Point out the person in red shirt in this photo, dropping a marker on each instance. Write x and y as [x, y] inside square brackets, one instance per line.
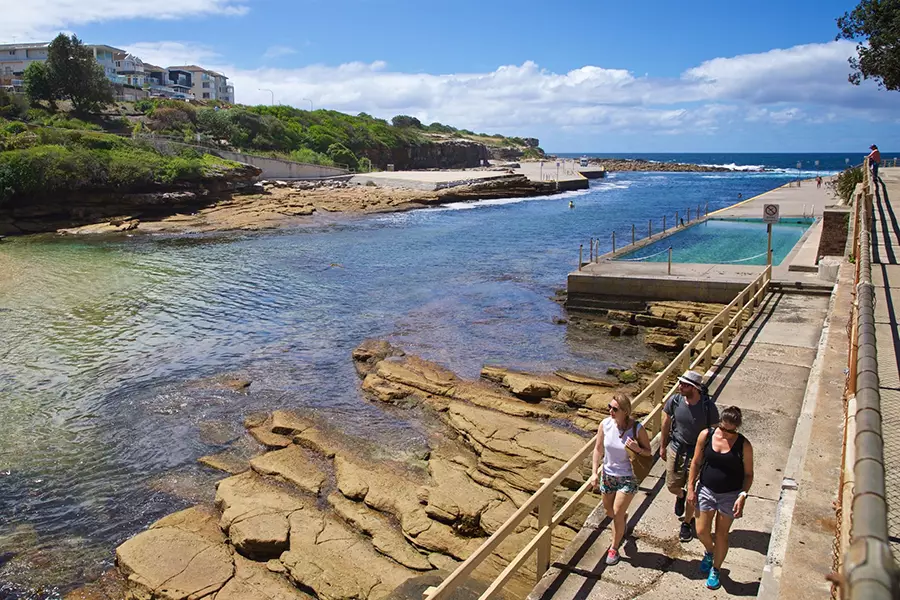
[874, 160]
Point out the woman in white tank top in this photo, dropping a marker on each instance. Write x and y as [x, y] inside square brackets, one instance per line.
[617, 485]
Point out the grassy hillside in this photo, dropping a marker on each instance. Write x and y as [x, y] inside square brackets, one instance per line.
[44, 154]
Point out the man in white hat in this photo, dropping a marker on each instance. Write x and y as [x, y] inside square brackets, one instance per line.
[685, 415]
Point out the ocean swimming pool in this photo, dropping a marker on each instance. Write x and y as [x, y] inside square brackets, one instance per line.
[724, 241]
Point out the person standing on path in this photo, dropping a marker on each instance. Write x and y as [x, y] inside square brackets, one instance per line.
[685, 416]
[617, 484]
[723, 462]
[874, 160]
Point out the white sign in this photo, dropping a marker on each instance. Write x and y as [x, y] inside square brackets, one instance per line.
[770, 213]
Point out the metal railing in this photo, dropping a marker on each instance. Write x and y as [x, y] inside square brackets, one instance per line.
[868, 569]
[721, 329]
[701, 212]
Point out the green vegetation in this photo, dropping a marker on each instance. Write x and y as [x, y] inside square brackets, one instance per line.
[875, 26]
[846, 182]
[70, 73]
[40, 161]
[320, 137]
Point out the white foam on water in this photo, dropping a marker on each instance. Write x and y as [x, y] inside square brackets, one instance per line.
[502, 201]
[736, 167]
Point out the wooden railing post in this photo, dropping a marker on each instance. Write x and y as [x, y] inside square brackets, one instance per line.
[707, 363]
[545, 514]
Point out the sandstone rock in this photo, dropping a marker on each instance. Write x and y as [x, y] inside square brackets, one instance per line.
[255, 513]
[255, 419]
[651, 321]
[585, 379]
[225, 461]
[513, 449]
[253, 581]
[291, 464]
[620, 315]
[492, 373]
[289, 423]
[525, 386]
[171, 562]
[370, 352]
[200, 519]
[110, 586]
[263, 434]
[385, 538]
[666, 343]
[337, 563]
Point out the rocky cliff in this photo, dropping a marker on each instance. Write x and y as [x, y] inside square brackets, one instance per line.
[449, 154]
[24, 215]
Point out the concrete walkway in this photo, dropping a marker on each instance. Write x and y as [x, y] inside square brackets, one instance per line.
[766, 375]
[886, 277]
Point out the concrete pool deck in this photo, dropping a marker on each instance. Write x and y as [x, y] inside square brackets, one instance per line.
[606, 282]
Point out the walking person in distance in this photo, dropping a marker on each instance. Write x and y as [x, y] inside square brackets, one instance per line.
[685, 415]
[723, 463]
[617, 434]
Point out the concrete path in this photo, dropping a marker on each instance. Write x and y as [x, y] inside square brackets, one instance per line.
[766, 375]
[886, 277]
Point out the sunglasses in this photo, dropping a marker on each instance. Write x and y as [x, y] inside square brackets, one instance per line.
[613, 408]
[726, 430]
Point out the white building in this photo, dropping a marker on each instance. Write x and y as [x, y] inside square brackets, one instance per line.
[208, 85]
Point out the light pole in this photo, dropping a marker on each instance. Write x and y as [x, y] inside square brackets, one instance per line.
[271, 92]
[799, 166]
[310, 103]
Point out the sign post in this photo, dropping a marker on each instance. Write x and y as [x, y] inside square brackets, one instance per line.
[770, 216]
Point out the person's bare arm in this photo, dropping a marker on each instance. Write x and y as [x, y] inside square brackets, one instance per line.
[597, 457]
[748, 480]
[696, 463]
[665, 434]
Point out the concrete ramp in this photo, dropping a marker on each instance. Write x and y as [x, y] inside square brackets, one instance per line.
[765, 374]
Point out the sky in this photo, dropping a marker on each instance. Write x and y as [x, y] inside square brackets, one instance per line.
[582, 76]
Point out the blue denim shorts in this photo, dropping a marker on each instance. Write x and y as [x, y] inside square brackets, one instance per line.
[611, 484]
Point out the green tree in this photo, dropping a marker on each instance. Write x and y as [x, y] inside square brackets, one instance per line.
[875, 26]
[406, 121]
[38, 86]
[70, 73]
[341, 154]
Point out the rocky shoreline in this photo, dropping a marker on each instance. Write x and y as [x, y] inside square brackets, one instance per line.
[303, 505]
[251, 206]
[636, 164]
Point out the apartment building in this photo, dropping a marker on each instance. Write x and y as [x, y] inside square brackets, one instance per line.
[209, 85]
[15, 58]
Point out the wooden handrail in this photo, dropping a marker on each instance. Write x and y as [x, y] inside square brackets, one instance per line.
[542, 500]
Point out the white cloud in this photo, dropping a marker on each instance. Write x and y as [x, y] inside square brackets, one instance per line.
[799, 84]
[278, 51]
[40, 20]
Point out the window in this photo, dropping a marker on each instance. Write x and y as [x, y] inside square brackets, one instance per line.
[206, 85]
[206, 94]
[12, 52]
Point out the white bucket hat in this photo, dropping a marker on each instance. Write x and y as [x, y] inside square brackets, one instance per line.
[692, 378]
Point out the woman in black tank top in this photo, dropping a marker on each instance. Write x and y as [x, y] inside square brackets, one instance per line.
[721, 475]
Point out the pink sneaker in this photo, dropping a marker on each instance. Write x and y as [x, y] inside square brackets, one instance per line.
[612, 556]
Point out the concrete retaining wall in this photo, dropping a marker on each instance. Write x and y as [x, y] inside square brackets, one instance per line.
[275, 168]
[584, 289]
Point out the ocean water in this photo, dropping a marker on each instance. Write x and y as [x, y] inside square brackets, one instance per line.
[829, 163]
[103, 342]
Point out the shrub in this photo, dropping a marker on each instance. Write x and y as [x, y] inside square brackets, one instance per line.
[365, 165]
[846, 182]
[144, 106]
[12, 106]
[341, 154]
[305, 155]
[406, 121]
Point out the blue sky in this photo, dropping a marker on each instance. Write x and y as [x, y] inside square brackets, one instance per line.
[652, 76]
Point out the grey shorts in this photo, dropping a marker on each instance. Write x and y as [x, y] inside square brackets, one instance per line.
[708, 501]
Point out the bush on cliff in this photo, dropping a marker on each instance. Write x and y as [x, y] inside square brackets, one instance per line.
[61, 162]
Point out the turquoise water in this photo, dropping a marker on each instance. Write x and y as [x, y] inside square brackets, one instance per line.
[724, 241]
